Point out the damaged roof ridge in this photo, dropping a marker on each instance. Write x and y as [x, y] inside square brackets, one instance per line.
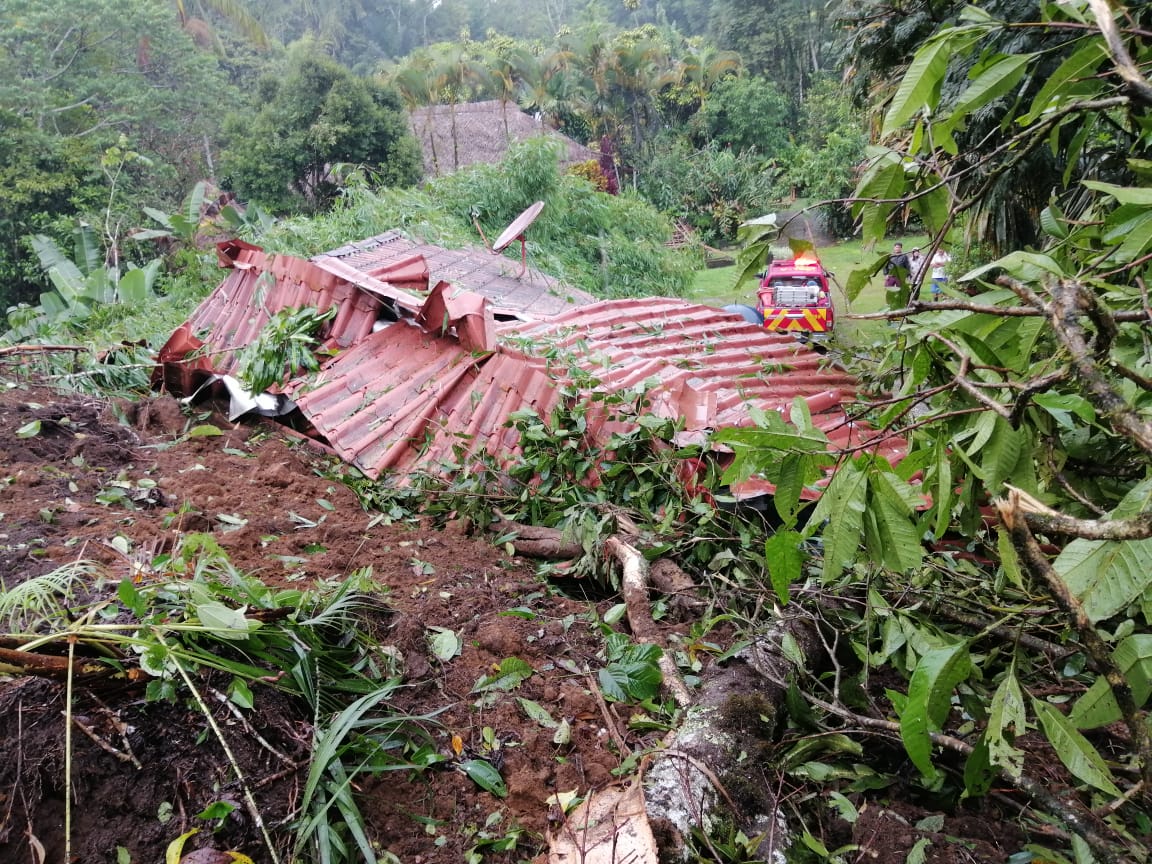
[371, 284]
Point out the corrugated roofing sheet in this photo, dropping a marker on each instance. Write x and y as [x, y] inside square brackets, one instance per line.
[533, 296]
[258, 286]
[408, 400]
[426, 393]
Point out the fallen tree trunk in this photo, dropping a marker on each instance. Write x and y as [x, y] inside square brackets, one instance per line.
[713, 767]
[709, 772]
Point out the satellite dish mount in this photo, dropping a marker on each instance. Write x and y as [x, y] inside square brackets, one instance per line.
[515, 231]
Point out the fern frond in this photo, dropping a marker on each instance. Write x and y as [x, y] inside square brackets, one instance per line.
[43, 598]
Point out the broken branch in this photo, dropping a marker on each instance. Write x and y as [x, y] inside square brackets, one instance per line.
[634, 586]
[1011, 512]
[39, 349]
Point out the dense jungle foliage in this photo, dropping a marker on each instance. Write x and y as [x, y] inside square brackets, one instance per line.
[997, 578]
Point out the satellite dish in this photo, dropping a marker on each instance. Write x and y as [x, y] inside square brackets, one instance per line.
[515, 231]
[518, 227]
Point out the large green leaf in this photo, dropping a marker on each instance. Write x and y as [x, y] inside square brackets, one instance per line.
[1097, 707]
[1006, 717]
[991, 79]
[89, 257]
[920, 86]
[1000, 454]
[194, 205]
[929, 700]
[842, 507]
[934, 206]
[1054, 222]
[68, 279]
[1106, 575]
[1123, 194]
[883, 184]
[887, 484]
[861, 278]
[1081, 66]
[133, 287]
[793, 475]
[483, 774]
[1025, 266]
[942, 491]
[784, 559]
[1074, 750]
[897, 539]
[1137, 240]
[161, 217]
[765, 439]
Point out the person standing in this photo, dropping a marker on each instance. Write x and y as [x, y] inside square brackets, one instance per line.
[940, 261]
[916, 263]
[897, 266]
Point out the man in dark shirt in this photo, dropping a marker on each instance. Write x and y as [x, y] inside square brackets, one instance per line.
[897, 268]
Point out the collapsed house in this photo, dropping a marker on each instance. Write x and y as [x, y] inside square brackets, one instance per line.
[422, 379]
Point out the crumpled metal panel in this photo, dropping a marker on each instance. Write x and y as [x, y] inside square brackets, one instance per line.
[258, 286]
[427, 393]
[407, 400]
[705, 365]
[533, 296]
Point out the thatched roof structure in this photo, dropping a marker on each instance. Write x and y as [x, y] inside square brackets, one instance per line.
[453, 136]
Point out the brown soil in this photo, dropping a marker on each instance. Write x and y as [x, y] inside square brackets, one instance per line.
[269, 501]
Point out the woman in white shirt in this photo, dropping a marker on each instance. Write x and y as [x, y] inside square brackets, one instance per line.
[940, 261]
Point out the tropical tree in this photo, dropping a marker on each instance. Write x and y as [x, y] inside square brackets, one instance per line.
[67, 93]
[749, 113]
[788, 41]
[694, 73]
[193, 17]
[1005, 205]
[314, 116]
[1023, 398]
[459, 76]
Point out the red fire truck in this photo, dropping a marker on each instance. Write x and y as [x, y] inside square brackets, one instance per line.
[794, 296]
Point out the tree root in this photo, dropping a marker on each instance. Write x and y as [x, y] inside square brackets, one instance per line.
[532, 541]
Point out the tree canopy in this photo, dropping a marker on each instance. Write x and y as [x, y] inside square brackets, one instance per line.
[315, 115]
[68, 92]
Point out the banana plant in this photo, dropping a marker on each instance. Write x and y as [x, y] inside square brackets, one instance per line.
[86, 280]
[182, 225]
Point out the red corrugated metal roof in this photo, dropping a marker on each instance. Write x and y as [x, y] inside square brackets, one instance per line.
[425, 394]
[533, 296]
[258, 286]
[442, 402]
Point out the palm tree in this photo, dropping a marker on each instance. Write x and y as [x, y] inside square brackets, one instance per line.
[506, 72]
[458, 73]
[418, 85]
[231, 10]
[697, 71]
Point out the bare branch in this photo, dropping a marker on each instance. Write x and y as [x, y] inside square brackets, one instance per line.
[1138, 85]
[1024, 398]
[40, 349]
[1044, 519]
[968, 387]
[917, 306]
[1064, 314]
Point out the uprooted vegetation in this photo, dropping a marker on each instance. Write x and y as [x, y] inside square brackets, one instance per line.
[947, 658]
[322, 662]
